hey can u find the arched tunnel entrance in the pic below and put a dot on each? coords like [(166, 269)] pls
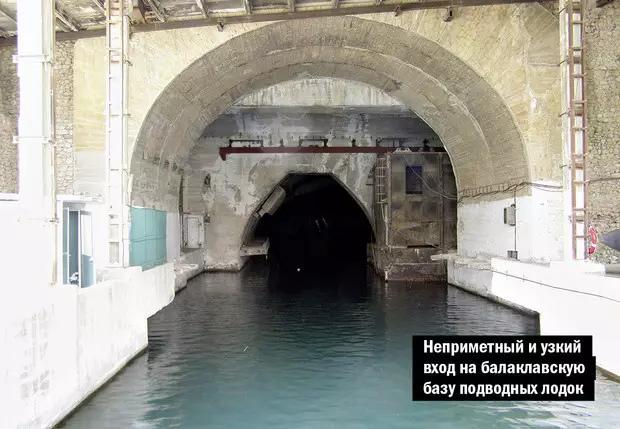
[(318, 234)]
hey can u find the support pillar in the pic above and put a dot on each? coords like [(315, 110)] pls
[(36, 150), (117, 43)]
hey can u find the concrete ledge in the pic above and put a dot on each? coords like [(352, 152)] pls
[(416, 272), (188, 266), (570, 298), (256, 248), (470, 274)]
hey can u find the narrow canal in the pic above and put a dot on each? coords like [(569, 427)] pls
[(230, 353)]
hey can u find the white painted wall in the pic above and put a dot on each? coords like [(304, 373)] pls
[(539, 235), (61, 344), (90, 173), (569, 300), (9, 212)]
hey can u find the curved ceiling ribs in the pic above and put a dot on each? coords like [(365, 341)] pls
[(472, 120)]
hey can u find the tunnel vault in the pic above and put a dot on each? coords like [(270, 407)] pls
[(475, 125), (253, 237)]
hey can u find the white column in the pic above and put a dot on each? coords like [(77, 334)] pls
[(117, 34), (37, 179)]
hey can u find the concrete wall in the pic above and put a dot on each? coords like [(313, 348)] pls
[(319, 92), (340, 124), (569, 301), (61, 344), (173, 236), (570, 298), (9, 214), (240, 184), (538, 234), (603, 86), (63, 72)]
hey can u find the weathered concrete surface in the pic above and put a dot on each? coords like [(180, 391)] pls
[(64, 118), (319, 92), (173, 236), (517, 57), (602, 31), (186, 267), (239, 185), (276, 125), (472, 274), (61, 344)]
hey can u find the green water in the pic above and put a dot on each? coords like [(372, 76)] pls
[(228, 353)]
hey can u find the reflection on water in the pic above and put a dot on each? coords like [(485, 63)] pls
[(230, 353)]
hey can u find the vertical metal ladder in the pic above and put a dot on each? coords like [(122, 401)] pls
[(578, 125), (117, 29), (381, 193), (380, 180)]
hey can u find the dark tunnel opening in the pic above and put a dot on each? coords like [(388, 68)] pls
[(318, 237)]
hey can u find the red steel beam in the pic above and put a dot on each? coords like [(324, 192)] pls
[(225, 151)]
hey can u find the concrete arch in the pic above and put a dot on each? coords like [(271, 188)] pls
[(239, 186), (250, 226), (477, 127), (447, 116)]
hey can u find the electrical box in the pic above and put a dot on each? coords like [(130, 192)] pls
[(193, 234), (510, 215)]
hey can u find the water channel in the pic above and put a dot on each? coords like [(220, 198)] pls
[(230, 353)]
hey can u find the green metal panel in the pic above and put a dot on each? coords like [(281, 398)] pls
[(147, 245)]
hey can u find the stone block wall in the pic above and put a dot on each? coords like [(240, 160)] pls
[(9, 110), (65, 152), (8, 120), (602, 32)]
